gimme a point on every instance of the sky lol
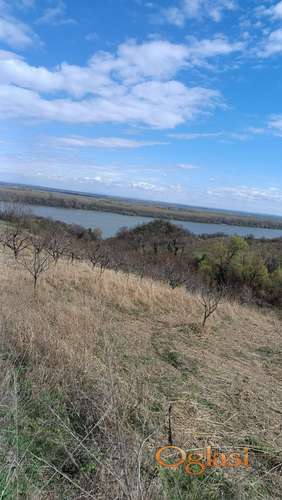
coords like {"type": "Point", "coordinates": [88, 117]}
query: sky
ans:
{"type": "Point", "coordinates": [177, 101]}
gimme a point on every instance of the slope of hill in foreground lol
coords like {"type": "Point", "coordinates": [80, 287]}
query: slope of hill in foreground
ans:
{"type": "Point", "coordinates": [90, 368]}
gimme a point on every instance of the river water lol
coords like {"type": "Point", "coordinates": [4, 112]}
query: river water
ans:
{"type": "Point", "coordinates": [110, 223]}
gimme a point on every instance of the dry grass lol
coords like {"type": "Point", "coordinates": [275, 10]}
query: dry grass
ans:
{"type": "Point", "coordinates": [112, 352]}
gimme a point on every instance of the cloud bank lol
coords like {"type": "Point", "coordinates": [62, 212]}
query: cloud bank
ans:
{"type": "Point", "coordinates": [137, 84]}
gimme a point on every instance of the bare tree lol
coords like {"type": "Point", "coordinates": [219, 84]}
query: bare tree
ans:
{"type": "Point", "coordinates": [173, 271]}
{"type": "Point", "coordinates": [104, 262]}
{"type": "Point", "coordinates": [15, 239]}
{"type": "Point", "coordinates": [93, 252]}
{"type": "Point", "coordinates": [37, 259]}
{"type": "Point", "coordinates": [75, 250]}
{"type": "Point", "coordinates": [15, 212]}
{"type": "Point", "coordinates": [14, 236]}
{"type": "Point", "coordinates": [58, 245]}
{"type": "Point", "coordinates": [210, 299]}
{"type": "Point", "coordinates": [98, 257]}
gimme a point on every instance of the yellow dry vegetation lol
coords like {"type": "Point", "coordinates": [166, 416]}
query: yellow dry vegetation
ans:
{"type": "Point", "coordinates": [124, 349]}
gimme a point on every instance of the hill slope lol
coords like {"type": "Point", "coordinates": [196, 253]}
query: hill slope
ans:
{"type": "Point", "coordinates": [90, 368]}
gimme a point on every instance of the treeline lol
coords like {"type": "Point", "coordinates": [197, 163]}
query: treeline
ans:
{"type": "Point", "coordinates": [247, 269]}
{"type": "Point", "coordinates": [84, 202]}
{"type": "Point", "coordinates": [250, 270]}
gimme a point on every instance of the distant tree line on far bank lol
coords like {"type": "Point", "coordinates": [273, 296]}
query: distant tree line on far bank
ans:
{"type": "Point", "coordinates": [127, 207]}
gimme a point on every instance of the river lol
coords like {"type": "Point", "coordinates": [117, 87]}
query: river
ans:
{"type": "Point", "coordinates": [110, 223]}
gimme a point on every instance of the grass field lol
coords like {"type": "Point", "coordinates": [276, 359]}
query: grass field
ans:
{"type": "Point", "coordinates": [90, 366]}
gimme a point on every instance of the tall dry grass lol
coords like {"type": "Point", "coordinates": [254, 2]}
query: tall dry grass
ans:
{"type": "Point", "coordinates": [95, 360]}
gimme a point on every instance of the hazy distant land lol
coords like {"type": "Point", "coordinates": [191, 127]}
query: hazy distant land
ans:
{"type": "Point", "coordinates": [47, 197]}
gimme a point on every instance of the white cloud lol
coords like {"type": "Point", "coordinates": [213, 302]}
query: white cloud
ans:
{"type": "Point", "coordinates": [248, 193]}
{"type": "Point", "coordinates": [196, 135]}
{"type": "Point", "coordinates": [275, 11]}
{"type": "Point", "coordinates": [188, 166]}
{"type": "Point", "coordinates": [197, 9]}
{"type": "Point", "coordinates": [135, 85]}
{"type": "Point", "coordinates": [105, 73]}
{"type": "Point", "coordinates": [103, 142]}
{"type": "Point", "coordinates": [222, 136]}
{"type": "Point", "coordinates": [175, 16]}
{"type": "Point", "coordinates": [56, 15]}
{"type": "Point", "coordinates": [155, 104]}
{"type": "Point", "coordinates": [238, 136]}
{"type": "Point", "coordinates": [146, 186]}
{"type": "Point", "coordinates": [275, 125]}
{"type": "Point", "coordinates": [256, 130]}
{"type": "Point", "coordinates": [70, 170]}
{"type": "Point", "coordinates": [271, 45]}
{"type": "Point", "coordinates": [92, 36]}
{"type": "Point", "coordinates": [199, 50]}
{"type": "Point", "coordinates": [158, 59]}
{"type": "Point", "coordinates": [14, 33]}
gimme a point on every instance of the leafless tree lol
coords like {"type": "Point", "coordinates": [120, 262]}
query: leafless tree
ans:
{"type": "Point", "coordinates": [57, 245]}
{"type": "Point", "coordinates": [72, 255]}
{"type": "Point", "coordinates": [104, 262]}
{"type": "Point", "coordinates": [75, 250]}
{"type": "Point", "coordinates": [173, 272]}
{"type": "Point", "coordinates": [37, 259]}
{"type": "Point", "coordinates": [93, 252]}
{"type": "Point", "coordinates": [15, 212]}
{"type": "Point", "coordinates": [15, 239]}
{"type": "Point", "coordinates": [98, 257]}
{"type": "Point", "coordinates": [210, 299]}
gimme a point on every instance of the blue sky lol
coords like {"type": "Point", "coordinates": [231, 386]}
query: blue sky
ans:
{"type": "Point", "coordinates": [176, 101]}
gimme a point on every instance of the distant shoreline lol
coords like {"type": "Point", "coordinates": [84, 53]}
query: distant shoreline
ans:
{"type": "Point", "coordinates": [37, 196]}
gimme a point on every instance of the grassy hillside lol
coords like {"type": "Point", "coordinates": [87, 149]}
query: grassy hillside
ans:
{"type": "Point", "coordinates": [90, 367]}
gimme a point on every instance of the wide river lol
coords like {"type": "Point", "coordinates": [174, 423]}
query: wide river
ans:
{"type": "Point", "coordinates": [110, 223]}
